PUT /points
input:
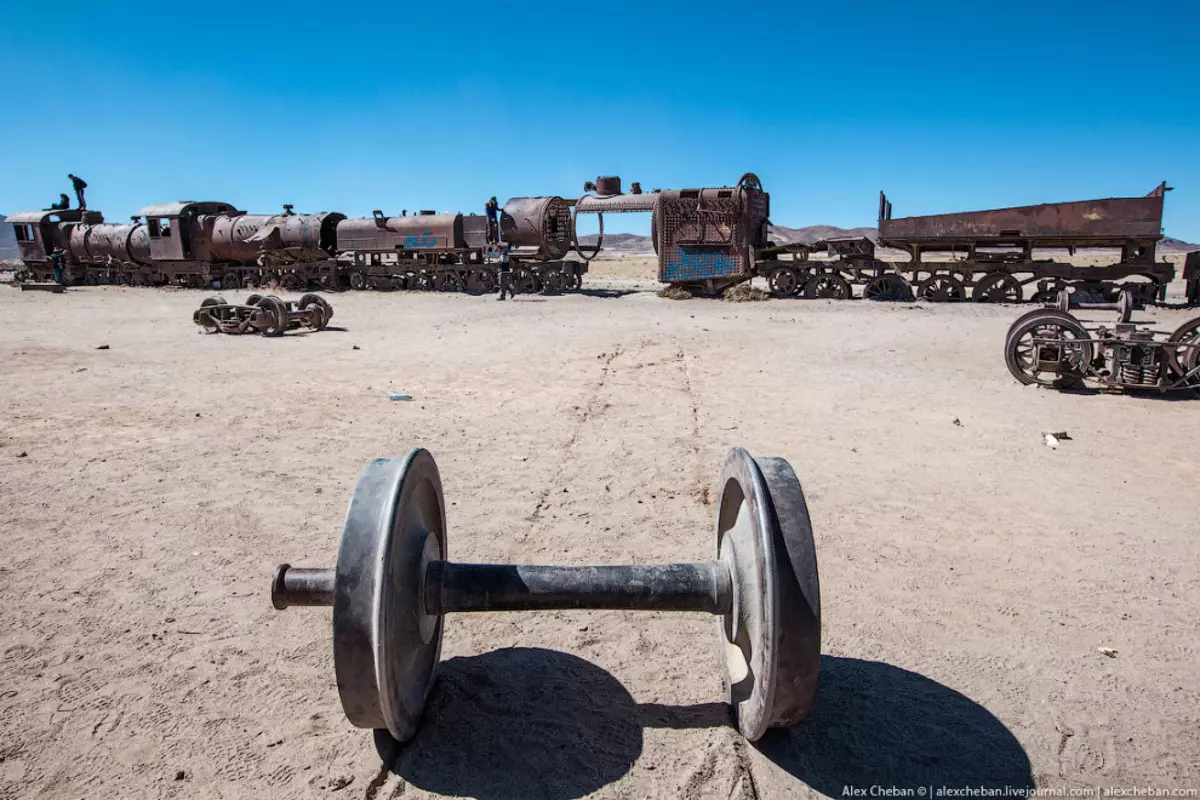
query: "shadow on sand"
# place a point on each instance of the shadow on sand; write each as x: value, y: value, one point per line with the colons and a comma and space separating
x: 527, y: 722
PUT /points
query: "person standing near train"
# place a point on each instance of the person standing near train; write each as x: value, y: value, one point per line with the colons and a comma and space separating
x: 80, y: 184
x: 504, y: 274
x: 492, y: 209
x: 58, y: 265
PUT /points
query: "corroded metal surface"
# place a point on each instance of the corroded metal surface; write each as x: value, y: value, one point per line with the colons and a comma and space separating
x: 269, y: 315
x: 1053, y: 348
x: 1079, y: 224
x: 542, y: 225
x: 416, y: 232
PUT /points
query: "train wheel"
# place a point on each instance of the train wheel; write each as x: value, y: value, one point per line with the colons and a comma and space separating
x: 1180, y: 357
x: 310, y: 299
x: 1065, y: 349
x: 277, y: 315
x: 553, y: 282
x: 291, y: 282
x: 231, y: 281
x: 481, y: 281
x: 318, y: 311
x: 941, y: 289
x: 524, y: 281
x: 358, y: 280
x: 784, y: 282
x: 999, y: 287
x: 829, y: 287
x: 574, y: 281
x: 253, y: 299
x: 398, y: 283
x: 888, y: 287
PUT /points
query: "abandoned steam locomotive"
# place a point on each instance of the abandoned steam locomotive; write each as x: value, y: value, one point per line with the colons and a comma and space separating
x: 705, y: 239
x: 203, y: 244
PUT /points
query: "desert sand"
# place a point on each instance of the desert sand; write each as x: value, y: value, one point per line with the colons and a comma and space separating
x: 969, y: 573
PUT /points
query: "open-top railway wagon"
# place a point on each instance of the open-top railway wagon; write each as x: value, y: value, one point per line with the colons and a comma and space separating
x: 986, y: 256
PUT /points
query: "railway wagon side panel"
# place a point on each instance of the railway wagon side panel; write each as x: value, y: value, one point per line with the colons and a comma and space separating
x: 1113, y: 219
x: 418, y: 232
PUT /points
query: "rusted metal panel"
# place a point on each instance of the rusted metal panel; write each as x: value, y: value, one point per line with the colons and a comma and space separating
x: 709, y: 234
x: 108, y: 242
x: 178, y: 208
x: 1191, y: 265
x: 231, y: 236
x: 617, y: 204
x: 308, y: 233
x: 248, y: 238
x: 417, y: 232
x: 1081, y: 223
x: 475, y: 231
x: 608, y: 185
x: 57, y: 215
x: 539, y: 223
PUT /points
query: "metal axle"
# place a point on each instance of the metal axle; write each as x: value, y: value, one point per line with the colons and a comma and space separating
x: 450, y: 587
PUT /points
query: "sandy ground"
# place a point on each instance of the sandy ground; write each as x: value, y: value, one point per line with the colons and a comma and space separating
x: 968, y: 572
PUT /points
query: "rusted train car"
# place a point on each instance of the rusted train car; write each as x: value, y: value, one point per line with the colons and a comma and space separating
x: 987, y: 256
x: 452, y: 252
x: 706, y: 239
x: 184, y: 243
x: 209, y: 244
x: 39, y: 233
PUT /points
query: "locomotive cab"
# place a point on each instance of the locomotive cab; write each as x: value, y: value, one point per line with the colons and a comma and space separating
x: 176, y: 231
x: 39, y: 232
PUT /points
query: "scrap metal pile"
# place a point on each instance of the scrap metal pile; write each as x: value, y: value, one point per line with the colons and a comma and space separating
x: 705, y: 240
x: 1052, y: 347
x: 269, y: 315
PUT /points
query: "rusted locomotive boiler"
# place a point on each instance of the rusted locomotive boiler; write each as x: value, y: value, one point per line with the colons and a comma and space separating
x: 447, y: 252
x: 109, y: 252
x: 202, y: 243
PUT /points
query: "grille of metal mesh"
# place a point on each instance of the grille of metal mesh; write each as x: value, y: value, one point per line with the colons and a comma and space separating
x: 557, y: 228
x: 701, y: 236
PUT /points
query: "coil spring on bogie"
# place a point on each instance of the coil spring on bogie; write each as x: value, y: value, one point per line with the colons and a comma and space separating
x: 1132, y: 374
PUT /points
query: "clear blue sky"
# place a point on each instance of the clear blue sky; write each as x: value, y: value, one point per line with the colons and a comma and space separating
x: 355, y: 106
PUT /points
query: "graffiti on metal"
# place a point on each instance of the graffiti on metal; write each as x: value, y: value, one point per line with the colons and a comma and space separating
x: 698, y: 264
x: 415, y: 241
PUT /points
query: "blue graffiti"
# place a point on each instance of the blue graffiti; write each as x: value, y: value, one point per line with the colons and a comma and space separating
x: 414, y: 241
x: 694, y: 264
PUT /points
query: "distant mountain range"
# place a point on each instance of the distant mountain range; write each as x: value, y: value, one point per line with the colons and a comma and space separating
x: 631, y: 244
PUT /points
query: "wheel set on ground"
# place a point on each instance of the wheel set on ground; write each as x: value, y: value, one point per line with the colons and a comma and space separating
x: 1051, y: 347
x: 268, y: 315
x: 393, y: 585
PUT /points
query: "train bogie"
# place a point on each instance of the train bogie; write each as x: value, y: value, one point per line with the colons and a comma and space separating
x: 1051, y: 347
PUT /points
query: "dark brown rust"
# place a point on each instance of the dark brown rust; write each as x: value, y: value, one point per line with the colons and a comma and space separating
x: 1111, y: 222
x: 1053, y: 348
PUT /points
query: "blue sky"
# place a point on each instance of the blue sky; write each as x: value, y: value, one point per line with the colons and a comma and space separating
x: 946, y: 106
